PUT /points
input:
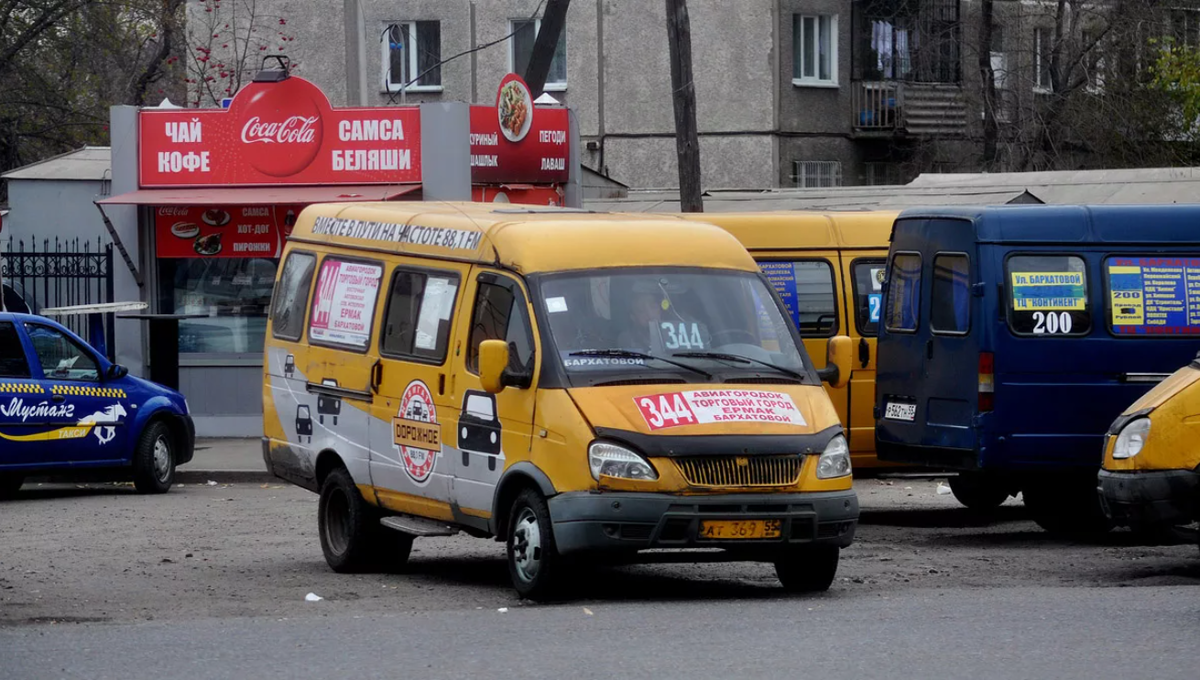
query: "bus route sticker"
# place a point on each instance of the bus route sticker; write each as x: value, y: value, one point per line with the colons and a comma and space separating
x: 695, y: 407
x: 418, y: 437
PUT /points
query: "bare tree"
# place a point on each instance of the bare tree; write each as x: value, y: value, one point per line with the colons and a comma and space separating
x: 226, y: 43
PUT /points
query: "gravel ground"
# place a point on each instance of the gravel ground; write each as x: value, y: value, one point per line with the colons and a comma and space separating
x: 103, y: 553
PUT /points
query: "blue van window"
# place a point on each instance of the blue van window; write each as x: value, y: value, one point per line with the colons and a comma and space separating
x: 950, y: 306
x: 806, y: 288
x: 903, y: 310
x: 12, y: 354
x: 1048, y: 295
x: 61, y: 357
x: 1153, y: 296
x: 868, y: 297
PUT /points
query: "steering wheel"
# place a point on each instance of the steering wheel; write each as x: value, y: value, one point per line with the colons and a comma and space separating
x: 733, y: 333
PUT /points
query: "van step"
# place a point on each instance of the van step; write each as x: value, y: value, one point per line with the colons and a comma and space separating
x: 417, y: 526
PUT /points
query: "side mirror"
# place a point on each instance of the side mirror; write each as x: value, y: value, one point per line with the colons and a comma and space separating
x: 493, y: 359
x: 116, y: 372
x: 837, y: 362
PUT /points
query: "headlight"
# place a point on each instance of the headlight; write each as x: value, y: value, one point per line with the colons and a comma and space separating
x: 835, y: 460
x: 618, y: 461
x: 1132, y: 438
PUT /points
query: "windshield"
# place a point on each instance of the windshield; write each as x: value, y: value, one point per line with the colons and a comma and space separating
x: 688, y: 323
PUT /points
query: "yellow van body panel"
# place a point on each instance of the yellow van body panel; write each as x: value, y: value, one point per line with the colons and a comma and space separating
x: 1174, y: 439
x: 842, y: 239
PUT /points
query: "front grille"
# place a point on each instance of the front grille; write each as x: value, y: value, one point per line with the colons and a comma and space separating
x: 740, y: 470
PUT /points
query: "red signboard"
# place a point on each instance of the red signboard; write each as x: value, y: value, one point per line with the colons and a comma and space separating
x: 279, y: 133
x: 514, y: 141
x: 223, y: 231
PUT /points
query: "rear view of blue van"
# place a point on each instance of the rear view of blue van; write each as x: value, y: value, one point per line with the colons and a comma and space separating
x: 1013, y: 336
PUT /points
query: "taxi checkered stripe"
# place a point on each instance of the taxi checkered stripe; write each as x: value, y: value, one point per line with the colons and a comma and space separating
x: 22, y: 388
x: 86, y: 391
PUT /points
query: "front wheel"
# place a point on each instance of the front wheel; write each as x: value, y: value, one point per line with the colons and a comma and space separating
x: 533, y: 560
x: 979, y: 491
x: 154, y: 460
x: 807, y: 569
x: 9, y: 485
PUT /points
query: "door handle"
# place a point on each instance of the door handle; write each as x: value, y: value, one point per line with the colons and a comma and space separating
x: 376, y: 376
x: 929, y: 349
x: 58, y: 398
x: 864, y: 352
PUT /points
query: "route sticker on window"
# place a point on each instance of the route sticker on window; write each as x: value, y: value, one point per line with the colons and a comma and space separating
x: 344, y: 303
x: 1154, y: 296
x: 1048, y: 291
x: 676, y: 409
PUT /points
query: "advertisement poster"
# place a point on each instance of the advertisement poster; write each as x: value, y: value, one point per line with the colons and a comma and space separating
x: 223, y: 231
x: 514, y: 141
x: 695, y: 407
x: 1154, y: 296
x: 344, y: 303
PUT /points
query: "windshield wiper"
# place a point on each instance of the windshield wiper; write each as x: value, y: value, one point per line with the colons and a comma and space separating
x: 739, y: 359
x: 630, y: 354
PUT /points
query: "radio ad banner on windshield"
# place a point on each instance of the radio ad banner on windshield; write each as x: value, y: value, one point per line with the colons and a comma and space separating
x: 1154, y: 296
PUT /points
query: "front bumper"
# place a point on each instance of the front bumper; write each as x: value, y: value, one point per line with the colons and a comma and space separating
x: 625, y: 522
x: 1146, y: 499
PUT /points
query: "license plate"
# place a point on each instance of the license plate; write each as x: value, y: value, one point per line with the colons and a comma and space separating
x: 901, y: 412
x: 732, y: 530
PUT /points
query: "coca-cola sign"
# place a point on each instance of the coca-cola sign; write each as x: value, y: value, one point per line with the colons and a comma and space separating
x: 276, y: 133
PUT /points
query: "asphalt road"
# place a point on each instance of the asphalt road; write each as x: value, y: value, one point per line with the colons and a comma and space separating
x: 98, y: 582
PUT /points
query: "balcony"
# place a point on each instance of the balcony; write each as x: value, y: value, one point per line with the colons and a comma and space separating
x: 884, y: 108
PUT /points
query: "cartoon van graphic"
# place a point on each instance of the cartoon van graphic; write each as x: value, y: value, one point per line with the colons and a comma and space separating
x: 479, y: 428
x: 327, y: 404
x: 304, y: 423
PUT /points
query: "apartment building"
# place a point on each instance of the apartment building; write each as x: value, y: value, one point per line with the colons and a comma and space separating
x: 807, y: 93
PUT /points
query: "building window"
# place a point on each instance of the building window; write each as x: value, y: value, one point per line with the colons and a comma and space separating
x: 412, y: 51
x: 233, y: 293
x: 882, y: 173
x: 1042, y: 40
x: 1093, y: 60
x: 814, y: 47
x: 521, y: 51
x: 816, y: 174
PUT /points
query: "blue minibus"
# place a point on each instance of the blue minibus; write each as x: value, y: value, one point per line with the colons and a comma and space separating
x: 1013, y: 336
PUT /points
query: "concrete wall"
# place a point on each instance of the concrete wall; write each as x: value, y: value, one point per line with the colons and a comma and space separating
x: 54, y: 209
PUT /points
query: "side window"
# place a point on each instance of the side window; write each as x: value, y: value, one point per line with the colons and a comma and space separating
x: 500, y: 314
x: 417, y: 320
x: 903, y: 310
x: 12, y: 355
x: 61, y: 357
x: 343, y: 307
x: 1048, y: 295
x: 950, y: 306
x: 291, y: 296
x: 806, y: 288
x: 868, y: 296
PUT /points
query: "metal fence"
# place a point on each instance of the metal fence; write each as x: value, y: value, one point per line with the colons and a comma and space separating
x: 42, y: 275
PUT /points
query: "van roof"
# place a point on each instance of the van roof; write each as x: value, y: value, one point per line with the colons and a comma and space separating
x: 526, y: 239
x: 793, y: 229
x: 1073, y: 223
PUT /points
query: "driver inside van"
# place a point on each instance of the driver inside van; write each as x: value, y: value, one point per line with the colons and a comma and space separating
x: 644, y: 310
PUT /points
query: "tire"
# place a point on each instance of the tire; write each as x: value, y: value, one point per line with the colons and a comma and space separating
x: 534, y: 564
x: 807, y: 569
x: 1067, y: 505
x: 10, y: 484
x: 352, y: 539
x: 978, y: 491
x: 154, y: 459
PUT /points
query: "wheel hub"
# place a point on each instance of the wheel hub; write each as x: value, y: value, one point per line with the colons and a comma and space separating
x: 527, y: 545
x: 162, y: 459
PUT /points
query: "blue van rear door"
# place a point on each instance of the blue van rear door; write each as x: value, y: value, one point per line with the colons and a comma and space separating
x: 928, y: 370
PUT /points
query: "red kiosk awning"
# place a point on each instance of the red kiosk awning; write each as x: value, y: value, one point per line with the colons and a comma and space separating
x: 281, y: 195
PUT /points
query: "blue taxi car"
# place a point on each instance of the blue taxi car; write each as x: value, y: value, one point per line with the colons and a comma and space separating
x: 65, y: 409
